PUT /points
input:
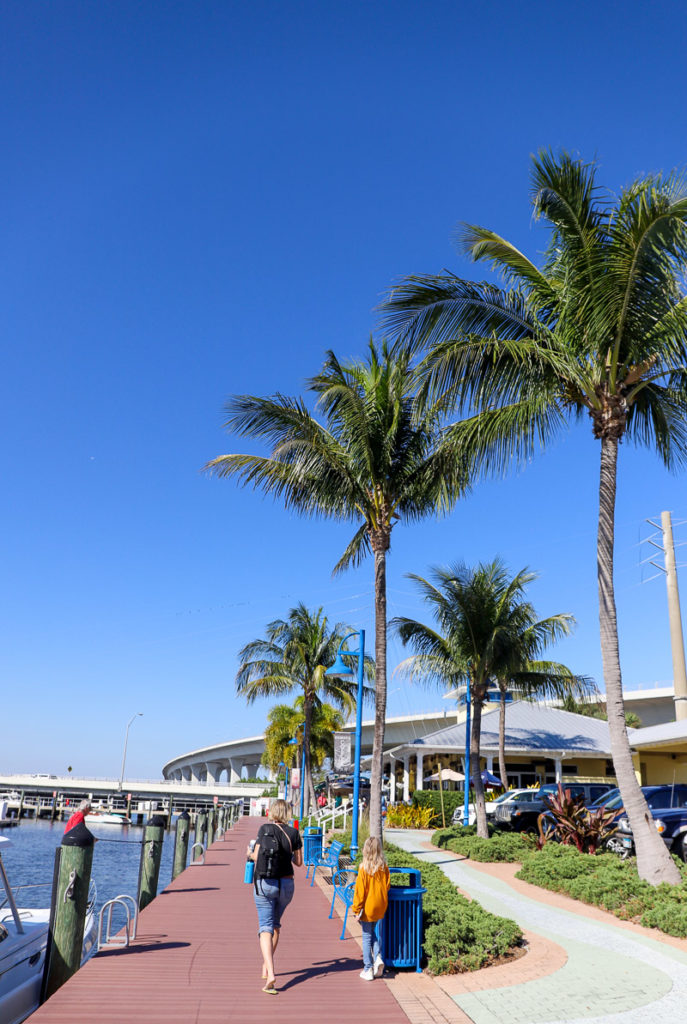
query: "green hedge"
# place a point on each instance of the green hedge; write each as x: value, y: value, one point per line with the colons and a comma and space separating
x: 430, y: 798
x: 503, y: 846
x: 613, y: 884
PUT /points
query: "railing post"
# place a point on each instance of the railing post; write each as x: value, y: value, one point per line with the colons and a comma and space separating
x: 181, y: 844
x: 72, y: 876
x: 149, y: 872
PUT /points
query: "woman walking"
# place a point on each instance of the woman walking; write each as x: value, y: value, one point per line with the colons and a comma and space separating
x: 278, y: 847
x: 370, y: 900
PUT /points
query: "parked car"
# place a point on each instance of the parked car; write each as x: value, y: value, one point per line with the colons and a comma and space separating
x: 522, y: 814
x: 505, y: 798
x: 458, y: 814
x: 668, y: 806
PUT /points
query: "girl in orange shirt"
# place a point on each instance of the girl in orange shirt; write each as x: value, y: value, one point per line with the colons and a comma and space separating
x: 370, y: 900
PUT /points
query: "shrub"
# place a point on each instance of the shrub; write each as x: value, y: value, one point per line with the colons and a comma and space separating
x: 431, y: 798
x: 403, y: 816
x: 467, y: 938
x: 569, y: 822
x: 502, y: 846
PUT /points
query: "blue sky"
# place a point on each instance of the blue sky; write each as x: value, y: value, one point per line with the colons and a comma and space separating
x: 199, y: 200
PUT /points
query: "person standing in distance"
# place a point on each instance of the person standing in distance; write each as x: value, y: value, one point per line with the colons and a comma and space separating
x: 278, y: 847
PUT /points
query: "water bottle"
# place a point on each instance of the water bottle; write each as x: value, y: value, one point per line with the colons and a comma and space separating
x: 249, y: 870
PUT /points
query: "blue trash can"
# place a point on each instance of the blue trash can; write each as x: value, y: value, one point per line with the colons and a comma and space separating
x: 402, y: 923
x: 313, y: 839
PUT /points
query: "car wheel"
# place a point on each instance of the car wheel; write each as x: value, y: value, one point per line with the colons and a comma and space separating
x: 615, y: 845
x: 680, y: 846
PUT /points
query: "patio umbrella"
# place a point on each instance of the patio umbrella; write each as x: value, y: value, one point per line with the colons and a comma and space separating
x: 447, y: 775
x: 488, y: 779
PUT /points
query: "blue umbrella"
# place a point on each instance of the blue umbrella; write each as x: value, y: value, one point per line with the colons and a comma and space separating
x: 487, y: 779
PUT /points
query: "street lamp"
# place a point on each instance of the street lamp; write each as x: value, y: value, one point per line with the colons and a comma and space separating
x: 340, y: 668
x: 139, y: 714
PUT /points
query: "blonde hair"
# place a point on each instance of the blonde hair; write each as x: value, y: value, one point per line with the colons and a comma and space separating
x: 373, y: 856
x: 279, y: 811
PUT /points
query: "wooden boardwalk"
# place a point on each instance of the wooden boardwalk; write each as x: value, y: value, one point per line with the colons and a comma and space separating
x: 196, y: 959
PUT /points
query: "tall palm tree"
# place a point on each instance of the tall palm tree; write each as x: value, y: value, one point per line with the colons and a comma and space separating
x: 285, y: 722
x: 480, y: 617
x: 293, y: 655
x: 599, y: 330
x: 376, y: 459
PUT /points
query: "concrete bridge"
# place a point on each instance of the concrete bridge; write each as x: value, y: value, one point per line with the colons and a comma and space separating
x: 210, y: 765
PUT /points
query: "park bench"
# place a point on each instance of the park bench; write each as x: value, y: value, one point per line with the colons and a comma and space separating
x: 329, y: 859
x: 343, y: 881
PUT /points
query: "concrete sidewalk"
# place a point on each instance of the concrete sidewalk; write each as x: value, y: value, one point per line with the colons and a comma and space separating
x: 582, y: 963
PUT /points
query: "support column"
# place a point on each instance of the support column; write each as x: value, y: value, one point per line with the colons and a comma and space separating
x: 214, y: 770
x: 558, y: 764
x: 419, y: 773
x: 186, y: 773
x: 234, y: 771
x: 392, y: 781
x: 195, y: 773
x: 406, y: 777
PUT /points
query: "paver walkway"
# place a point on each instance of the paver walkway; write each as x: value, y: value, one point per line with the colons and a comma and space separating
x: 610, y: 973
x: 196, y: 961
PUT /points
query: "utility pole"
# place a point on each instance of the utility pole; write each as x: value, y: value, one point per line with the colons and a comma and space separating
x: 675, y: 618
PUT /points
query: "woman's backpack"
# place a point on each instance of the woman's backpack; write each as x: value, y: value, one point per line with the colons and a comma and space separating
x: 274, y: 859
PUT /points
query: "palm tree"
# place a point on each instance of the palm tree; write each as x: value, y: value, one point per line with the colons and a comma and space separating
x: 484, y: 633
x: 598, y: 331
x: 285, y: 722
x: 294, y: 655
x: 376, y: 459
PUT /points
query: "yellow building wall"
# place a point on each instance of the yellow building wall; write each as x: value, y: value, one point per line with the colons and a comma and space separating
x: 661, y: 769
x: 587, y: 767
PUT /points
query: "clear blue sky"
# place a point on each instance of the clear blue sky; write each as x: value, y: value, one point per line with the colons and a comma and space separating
x: 199, y: 200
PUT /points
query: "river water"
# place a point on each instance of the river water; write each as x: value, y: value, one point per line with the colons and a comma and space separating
x: 30, y: 859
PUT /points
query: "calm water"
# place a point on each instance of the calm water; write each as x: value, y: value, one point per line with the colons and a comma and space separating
x: 31, y: 857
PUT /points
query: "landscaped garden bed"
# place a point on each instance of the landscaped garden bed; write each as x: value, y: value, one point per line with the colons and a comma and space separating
x: 602, y: 880
x: 459, y: 934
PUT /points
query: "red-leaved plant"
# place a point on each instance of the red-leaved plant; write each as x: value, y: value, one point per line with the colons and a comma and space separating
x: 569, y: 822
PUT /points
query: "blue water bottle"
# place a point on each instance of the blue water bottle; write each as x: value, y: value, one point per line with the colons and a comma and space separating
x: 250, y: 866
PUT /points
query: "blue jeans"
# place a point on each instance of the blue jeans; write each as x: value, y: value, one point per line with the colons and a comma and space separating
x: 370, y: 942
x: 272, y: 897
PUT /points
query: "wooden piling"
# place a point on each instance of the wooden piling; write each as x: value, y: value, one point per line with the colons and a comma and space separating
x: 149, y: 872
x: 181, y: 844
x: 201, y: 830
x: 212, y: 824
x: 170, y: 811
x: 71, y: 880
x: 20, y: 812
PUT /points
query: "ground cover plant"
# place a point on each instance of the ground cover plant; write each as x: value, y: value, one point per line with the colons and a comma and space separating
x: 610, y: 883
x: 501, y: 846
x: 459, y: 934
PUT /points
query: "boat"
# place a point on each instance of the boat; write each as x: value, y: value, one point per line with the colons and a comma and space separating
x: 5, y: 820
x: 107, y: 818
x: 23, y: 941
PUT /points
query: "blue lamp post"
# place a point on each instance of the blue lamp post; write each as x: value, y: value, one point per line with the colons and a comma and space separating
x: 340, y: 668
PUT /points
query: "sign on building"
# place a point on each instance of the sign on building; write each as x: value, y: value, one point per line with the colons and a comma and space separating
x: 342, y: 751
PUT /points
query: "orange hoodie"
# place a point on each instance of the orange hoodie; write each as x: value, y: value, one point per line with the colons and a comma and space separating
x: 371, y: 894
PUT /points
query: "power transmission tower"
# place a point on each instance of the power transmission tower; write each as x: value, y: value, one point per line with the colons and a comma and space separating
x: 676, y: 640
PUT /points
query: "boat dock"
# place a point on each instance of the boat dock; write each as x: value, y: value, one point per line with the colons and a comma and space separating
x: 195, y: 959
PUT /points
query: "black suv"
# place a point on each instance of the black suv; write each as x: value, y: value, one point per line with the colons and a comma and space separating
x: 521, y: 814
x: 668, y: 806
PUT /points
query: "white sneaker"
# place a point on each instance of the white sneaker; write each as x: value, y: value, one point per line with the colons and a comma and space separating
x: 367, y: 975
x: 378, y: 967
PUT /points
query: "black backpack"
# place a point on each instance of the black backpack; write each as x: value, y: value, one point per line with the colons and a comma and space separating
x: 274, y: 859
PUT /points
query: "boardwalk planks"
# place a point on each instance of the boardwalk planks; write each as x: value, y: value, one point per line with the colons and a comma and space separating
x: 196, y: 960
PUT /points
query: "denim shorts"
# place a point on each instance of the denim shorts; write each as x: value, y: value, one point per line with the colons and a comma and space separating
x: 272, y: 897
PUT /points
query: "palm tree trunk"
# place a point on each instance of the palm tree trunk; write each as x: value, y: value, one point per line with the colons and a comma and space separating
x: 502, y: 739
x: 654, y: 863
x: 380, y: 694
x: 480, y: 806
x: 306, y: 781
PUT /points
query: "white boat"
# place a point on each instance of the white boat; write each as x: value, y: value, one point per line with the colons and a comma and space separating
x: 23, y: 940
x: 107, y: 818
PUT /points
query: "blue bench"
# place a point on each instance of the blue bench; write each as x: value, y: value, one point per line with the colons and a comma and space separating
x: 344, y: 887
x: 329, y: 859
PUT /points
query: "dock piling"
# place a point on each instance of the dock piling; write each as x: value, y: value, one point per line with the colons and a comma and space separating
x: 181, y: 844
x: 149, y: 872
x: 71, y: 880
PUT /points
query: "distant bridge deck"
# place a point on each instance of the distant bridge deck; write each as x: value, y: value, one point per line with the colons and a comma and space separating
x: 196, y: 960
